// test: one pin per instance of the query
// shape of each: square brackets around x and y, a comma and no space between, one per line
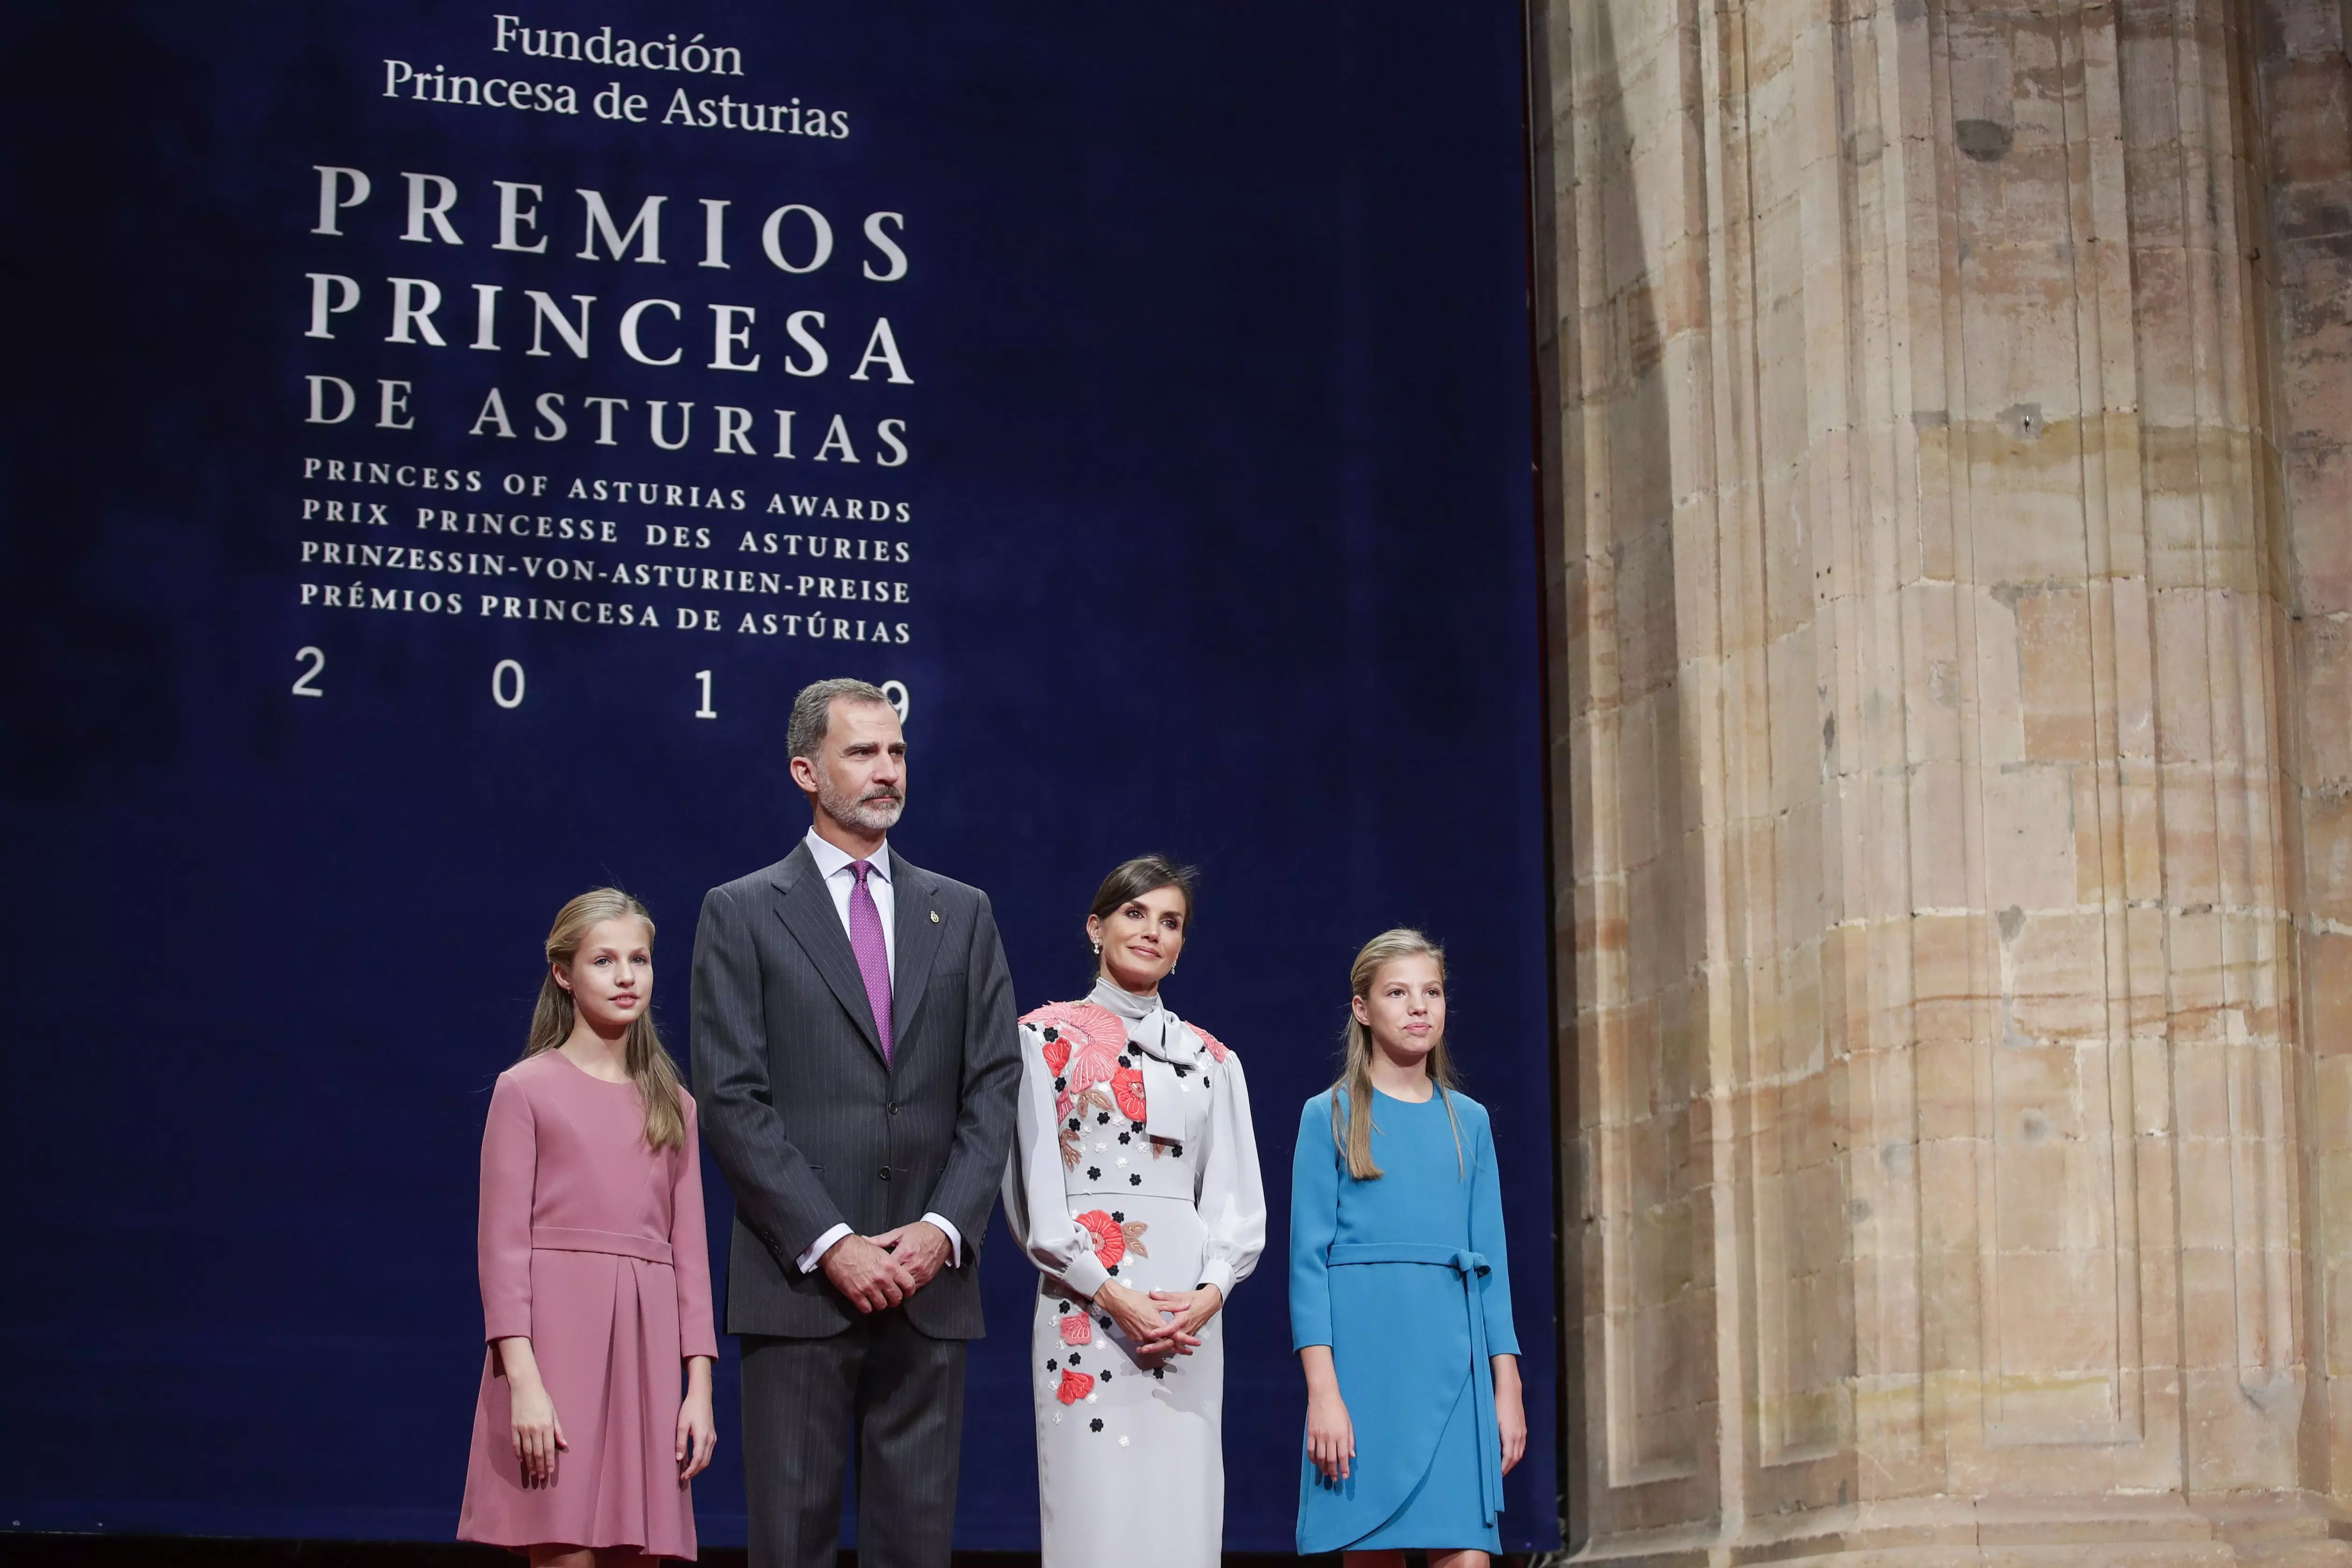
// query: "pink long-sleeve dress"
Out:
[592,1248]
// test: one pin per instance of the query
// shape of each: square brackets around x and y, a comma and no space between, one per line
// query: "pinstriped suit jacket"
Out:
[809,1124]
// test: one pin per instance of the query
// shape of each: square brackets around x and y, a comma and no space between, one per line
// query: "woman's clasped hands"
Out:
[1165,1322]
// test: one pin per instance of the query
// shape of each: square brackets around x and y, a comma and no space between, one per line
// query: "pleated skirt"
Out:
[605,1333]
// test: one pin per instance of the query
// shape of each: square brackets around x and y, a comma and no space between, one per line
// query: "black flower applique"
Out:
[1094,1172]
[1178,1151]
[1094,1425]
[1119,1216]
[1060,1084]
[1073,1357]
[1052,1364]
[1051,1033]
[1063,1309]
[1135,1126]
[1074,1124]
[1124,1063]
[1135,1181]
[1107,1325]
[1105,1377]
[1161,1373]
[1124,1137]
[1102,1118]
[1112,1269]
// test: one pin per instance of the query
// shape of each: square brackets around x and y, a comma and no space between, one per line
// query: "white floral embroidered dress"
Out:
[1133,1158]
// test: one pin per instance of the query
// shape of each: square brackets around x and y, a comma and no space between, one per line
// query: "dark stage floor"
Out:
[26,1550]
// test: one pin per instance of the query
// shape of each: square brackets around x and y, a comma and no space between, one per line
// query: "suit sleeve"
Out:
[1313,1222]
[776,1193]
[966,1189]
[1487,1237]
[689,1247]
[502,1240]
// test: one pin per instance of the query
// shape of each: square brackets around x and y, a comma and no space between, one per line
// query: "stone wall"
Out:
[1946,478]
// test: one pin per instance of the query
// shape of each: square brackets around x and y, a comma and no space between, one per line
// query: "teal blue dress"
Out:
[1404,1277]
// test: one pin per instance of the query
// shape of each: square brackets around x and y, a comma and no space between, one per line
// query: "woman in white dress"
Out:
[1134,1186]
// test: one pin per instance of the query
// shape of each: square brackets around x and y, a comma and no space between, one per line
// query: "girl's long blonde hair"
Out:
[1354,1136]
[551,1020]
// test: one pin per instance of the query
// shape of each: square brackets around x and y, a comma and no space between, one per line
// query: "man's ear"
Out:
[803,773]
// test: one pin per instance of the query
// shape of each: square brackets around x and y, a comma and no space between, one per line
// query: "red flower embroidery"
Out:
[1085,1048]
[1127,1088]
[1077,1329]
[1113,1239]
[1075,1385]
[1218,1049]
[1096,1056]
[1110,1241]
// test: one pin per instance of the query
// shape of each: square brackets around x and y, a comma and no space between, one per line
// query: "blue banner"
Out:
[438,444]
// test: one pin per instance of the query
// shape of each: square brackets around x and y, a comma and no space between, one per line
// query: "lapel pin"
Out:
[935,917]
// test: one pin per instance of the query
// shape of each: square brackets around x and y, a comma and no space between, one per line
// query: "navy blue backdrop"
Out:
[1191,513]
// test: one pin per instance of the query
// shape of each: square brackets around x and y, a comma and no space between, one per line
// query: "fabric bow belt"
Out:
[561,1238]
[1470,1268]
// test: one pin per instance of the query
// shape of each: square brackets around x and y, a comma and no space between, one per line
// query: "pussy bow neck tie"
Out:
[1174,1057]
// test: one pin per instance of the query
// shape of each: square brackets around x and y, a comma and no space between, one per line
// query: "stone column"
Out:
[1956,873]
[2304,273]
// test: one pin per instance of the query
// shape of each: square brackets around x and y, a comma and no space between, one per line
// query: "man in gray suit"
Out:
[856,1060]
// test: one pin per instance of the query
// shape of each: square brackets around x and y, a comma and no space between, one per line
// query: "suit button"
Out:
[885,1173]
[892,1107]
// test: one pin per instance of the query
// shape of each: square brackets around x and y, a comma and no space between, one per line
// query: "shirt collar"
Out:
[832,860]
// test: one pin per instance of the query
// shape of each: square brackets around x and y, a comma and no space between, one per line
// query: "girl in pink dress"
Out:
[596,1271]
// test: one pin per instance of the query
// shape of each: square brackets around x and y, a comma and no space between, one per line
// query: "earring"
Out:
[1098,950]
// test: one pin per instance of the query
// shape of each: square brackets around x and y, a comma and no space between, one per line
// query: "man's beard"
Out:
[866,816]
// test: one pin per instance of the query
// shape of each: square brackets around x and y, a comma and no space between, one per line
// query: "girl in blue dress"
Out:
[1399,1291]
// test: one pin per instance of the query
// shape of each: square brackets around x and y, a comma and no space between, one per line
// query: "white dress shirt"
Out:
[833,863]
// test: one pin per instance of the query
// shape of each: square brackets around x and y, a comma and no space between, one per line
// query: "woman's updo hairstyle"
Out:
[1130,880]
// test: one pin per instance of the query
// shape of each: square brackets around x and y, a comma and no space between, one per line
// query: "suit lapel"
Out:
[805,905]
[917,932]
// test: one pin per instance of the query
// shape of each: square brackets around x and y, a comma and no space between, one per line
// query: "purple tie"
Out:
[873,957]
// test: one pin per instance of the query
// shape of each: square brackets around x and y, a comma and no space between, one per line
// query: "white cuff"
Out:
[955,1238]
[1086,1275]
[817,1250]
[1218,1272]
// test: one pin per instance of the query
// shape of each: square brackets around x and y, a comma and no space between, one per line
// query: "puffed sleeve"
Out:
[689,1244]
[1036,1205]
[1314,1222]
[1229,1192]
[502,1240]
[1487,1237]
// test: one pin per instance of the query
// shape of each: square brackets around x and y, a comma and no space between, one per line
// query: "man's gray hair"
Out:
[813,707]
